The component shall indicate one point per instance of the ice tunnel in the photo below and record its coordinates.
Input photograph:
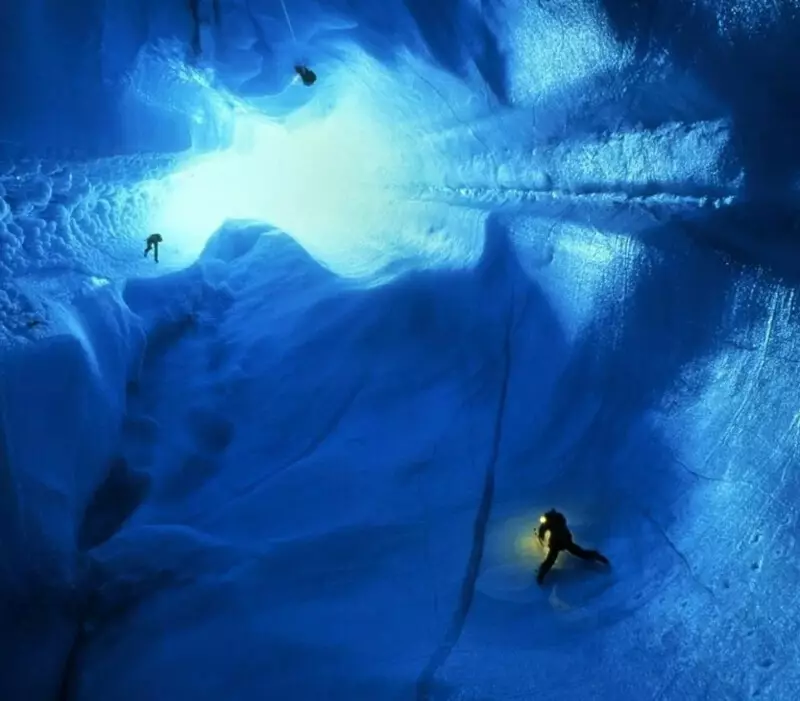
(490, 258)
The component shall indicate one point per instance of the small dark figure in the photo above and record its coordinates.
(561, 539)
(306, 75)
(152, 245)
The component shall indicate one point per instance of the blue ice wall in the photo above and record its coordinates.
(62, 404)
(500, 257)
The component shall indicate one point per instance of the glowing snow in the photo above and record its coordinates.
(322, 181)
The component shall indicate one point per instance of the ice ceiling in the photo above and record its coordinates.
(640, 161)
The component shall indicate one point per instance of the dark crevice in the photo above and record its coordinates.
(194, 10)
(70, 678)
(425, 682)
(162, 339)
(117, 498)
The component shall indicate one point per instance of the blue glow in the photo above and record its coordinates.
(540, 255)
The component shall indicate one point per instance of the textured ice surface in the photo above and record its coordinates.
(503, 256)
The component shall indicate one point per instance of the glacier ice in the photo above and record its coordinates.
(502, 256)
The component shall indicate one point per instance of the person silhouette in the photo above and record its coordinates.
(306, 75)
(152, 245)
(560, 539)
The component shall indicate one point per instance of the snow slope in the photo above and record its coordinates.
(505, 256)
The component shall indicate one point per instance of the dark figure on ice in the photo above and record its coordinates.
(152, 245)
(561, 539)
(306, 75)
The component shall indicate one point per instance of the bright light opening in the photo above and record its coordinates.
(324, 181)
(340, 176)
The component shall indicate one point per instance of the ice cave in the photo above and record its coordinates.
(426, 269)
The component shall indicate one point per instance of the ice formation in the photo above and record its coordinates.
(501, 256)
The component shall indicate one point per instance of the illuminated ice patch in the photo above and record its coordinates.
(325, 181)
(343, 176)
